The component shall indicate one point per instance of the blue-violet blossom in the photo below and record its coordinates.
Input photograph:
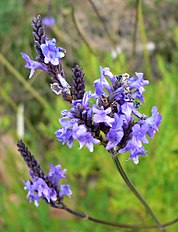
(33, 65)
(38, 187)
(51, 53)
(112, 110)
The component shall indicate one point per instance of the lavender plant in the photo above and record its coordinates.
(110, 116)
(41, 185)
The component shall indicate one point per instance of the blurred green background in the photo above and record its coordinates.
(127, 36)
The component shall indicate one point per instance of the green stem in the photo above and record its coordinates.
(107, 31)
(96, 220)
(80, 31)
(135, 192)
(126, 226)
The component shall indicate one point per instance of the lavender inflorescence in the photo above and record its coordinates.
(44, 186)
(48, 59)
(108, 116)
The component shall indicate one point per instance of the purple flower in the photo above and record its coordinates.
(106, 72)
(139, 133)
(64, 135)
(39, 189)
(115, 134)
(138, 114)
(48, 21)
(135, 148)
(65, 190)
(43, 190)
(86, 97)
(138, 83)
(119, 93)
(128, 129)
(82, 103)
(101, 83)
(65, 114)
(126, 110)
(153, 122)
(51, 53)
(31, 64)
(114, 137)
(55, 174)
(48, 187)
(31, 194)
(84, 137)
(100, 115)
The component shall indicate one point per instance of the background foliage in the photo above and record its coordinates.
(110, 33)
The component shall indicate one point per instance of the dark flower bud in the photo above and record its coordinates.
(38, 35)
(30, 160)
(78, 88)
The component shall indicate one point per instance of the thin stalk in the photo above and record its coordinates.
(96, 220)
(109, 35)
(126, 226)
(80, 31)
(135, 192)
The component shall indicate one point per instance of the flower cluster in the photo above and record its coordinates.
(49, 59)
(52, 55)
(40, 188)
(43, 186)
(110, 116)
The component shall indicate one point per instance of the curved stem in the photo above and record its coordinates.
(135, 192)
(107, 31)
(170, 223)
(126, 226)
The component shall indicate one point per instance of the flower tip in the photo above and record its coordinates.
(24, 56)
(36, 203)
(135, 160)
